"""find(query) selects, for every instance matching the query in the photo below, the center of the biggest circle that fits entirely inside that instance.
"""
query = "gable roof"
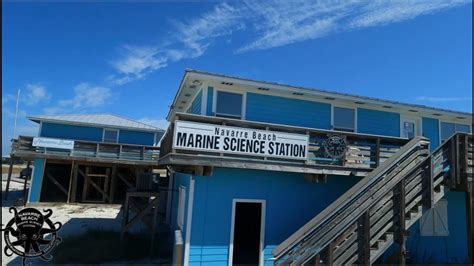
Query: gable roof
(101, 120)
(191, 75)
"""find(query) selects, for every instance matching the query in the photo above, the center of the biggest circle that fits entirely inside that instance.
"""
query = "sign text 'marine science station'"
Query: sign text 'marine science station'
(253, 142)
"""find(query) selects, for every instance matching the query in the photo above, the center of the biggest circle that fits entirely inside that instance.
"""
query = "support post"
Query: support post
(377, 153)
(470, 221)
(401, 238)
(10, 169)
(113, 183)
(363, 239)
(74, 183)
(70, 182)
(26, 182)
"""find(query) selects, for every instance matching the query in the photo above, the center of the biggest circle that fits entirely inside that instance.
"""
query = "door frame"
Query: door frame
(262, 227)
(416, 120)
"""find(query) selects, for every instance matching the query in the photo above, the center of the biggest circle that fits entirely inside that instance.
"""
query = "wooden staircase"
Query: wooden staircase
(374, 214)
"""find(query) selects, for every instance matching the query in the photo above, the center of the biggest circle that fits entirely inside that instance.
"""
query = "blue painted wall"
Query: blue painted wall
(71, 132)
(210, 98)
(280, 110)
(87, 133)
(136, 137)
(442, 249)
(179, 180)
(291, 201)
(378, 122)
(195, 107)
(430, 128)
(36, 181)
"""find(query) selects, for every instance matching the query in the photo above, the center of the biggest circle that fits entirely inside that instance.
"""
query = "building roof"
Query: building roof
(191, 74)
(107, 120)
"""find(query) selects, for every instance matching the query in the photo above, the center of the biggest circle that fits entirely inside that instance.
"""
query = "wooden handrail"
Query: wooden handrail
(399, 175)
(334, 210)
(92, 149)
(366, 151)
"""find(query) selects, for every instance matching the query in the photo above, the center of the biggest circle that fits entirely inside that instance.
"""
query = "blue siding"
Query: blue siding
(430, 127)
(195, 107)
(71, 132)
(378, 122)
(179, 180)
(285, 193)
(136, 137)
(442, 249)
(36, 181)
(210, 98)
(280, 110)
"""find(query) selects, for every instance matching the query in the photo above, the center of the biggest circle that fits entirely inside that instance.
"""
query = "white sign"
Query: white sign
(53, 143)
(224, 139)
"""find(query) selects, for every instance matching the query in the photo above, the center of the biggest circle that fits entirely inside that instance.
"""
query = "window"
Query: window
(408, 130)
(229, 104)
(110, 135)
(344, 119)
(448, 129)
(462, 128)
(181, 206)
(435, 221)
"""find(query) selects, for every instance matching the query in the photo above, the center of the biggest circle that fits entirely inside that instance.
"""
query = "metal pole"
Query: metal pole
(16, 113)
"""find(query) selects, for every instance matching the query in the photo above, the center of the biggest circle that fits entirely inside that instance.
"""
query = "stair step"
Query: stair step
(382, 247)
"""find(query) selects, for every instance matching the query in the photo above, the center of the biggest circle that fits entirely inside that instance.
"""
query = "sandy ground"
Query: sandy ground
(76, 219)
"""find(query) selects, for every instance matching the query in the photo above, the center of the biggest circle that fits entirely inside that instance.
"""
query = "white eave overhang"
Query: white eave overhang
(192, 80)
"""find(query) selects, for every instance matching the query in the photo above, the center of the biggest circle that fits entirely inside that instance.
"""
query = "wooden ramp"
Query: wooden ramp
(374, 214)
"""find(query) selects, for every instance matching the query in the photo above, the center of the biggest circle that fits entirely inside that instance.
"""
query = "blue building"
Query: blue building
(87, 158)
(269, 173)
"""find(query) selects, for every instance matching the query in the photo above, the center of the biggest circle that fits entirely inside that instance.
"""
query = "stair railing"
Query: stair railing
(350, 213)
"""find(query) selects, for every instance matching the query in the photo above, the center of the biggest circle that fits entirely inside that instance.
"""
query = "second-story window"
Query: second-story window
(448, 129)
(110, 135)
(229, 104)
(344, 119)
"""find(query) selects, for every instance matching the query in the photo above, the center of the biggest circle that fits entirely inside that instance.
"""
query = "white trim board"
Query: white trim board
(189, 221)
(262, 228)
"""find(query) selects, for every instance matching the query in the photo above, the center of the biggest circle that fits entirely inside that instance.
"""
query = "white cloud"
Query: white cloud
(86, 97)
(189, 39)
(35, 93)
(159, 123)
(442, 99)
(272, 24)
(381, 13)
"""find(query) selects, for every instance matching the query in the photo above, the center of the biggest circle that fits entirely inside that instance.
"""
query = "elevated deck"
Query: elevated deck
(88, 151)
(363, 154)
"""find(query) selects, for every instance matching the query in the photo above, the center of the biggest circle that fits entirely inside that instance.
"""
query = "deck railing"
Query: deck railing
(364, 151)
(23, 147)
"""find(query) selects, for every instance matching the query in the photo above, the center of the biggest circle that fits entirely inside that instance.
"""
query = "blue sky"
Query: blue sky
(128, 59)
